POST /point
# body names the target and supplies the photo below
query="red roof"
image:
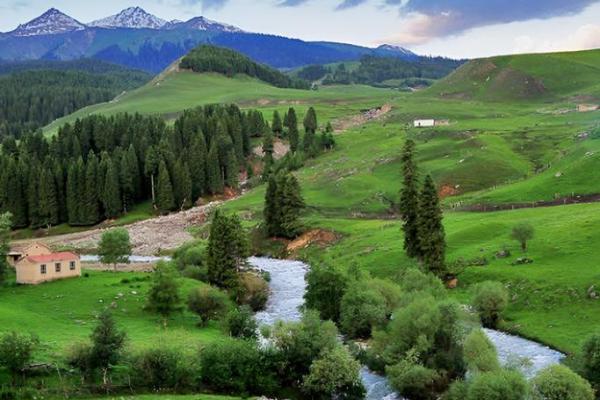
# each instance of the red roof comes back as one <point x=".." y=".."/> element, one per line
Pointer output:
<point x="52" y="257"/>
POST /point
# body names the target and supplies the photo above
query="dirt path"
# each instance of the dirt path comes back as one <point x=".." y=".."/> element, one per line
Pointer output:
<point x="344" y="124"/>
<point x="148" y="237"/>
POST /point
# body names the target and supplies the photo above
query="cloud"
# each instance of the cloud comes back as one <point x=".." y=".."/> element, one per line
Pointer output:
<point x="586" y="37"/>
<point x="206" y="4"/>
<point x="430" y="19"/>
<point x="291" y="3"/>
<point x="349" y="4"/>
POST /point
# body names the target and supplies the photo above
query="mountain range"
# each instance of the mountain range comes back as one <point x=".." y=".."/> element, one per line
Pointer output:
<point x="138" y="39"/>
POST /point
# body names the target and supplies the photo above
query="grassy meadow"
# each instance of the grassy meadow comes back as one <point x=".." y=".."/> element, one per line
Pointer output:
<point x="63" y="312"/>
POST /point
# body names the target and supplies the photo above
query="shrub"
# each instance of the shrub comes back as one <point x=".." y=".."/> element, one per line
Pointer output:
<point x="498" y="385"/>
<point x="325" y="288"/>
<point x="491" y="298"/>
<point x="300" y="343"/>
<point x="558" y="382"/>
<point x="416" y="282"/>
<point x="208" y="303"/>
<point x="238" y="367"/>
<point x="79" y="357"/>
<point x="335" y="375"/>
<point x="193" y="256"/>
<point x="361" y="309"/>
<point x="159" y="369"/>
<point x="241" y="323"/>
<point x="590" y="359"/>
<point x="522" y="233"/>
<point x="254" y="291"/>
<point x="16" y="351"/>
<point x="457" y="391"/>
<point x="195" y="272"/>
<point x="479" y="353"/>
<point x="412" y="380"/>
<point x="391" y="292"/>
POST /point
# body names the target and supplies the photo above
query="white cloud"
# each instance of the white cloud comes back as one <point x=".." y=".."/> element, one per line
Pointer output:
<point x="583" y="38"/>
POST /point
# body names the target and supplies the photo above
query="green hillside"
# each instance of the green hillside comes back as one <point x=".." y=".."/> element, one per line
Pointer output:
<point x="525" y="77"/>
<point x="175" y="90"/>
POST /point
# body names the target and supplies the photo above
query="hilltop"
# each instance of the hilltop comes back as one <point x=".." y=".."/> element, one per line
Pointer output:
<point x="550" y="76"/>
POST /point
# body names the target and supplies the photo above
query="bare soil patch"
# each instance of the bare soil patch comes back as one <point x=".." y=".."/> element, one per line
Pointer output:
<point x="280" y="149"/>
<point x="318" y="237"/>
<point x="373" y="114"/>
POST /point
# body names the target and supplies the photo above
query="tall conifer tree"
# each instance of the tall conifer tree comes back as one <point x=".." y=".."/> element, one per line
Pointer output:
<point x="165" y="200"/>
<point x="432" y="238"/>
<point x="293" y="135"/>
<point x="409" y="201"/>
<point x="215" y="176"/>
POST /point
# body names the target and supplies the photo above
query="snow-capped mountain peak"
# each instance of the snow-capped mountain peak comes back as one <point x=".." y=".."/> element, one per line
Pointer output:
<point x="396" y="49"/>
<point x="132" y="17"/>
<point x="205" y="24"/>
<point x="51" y="22"/>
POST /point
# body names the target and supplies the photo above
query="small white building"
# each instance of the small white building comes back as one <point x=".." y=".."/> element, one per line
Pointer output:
<point x="423" y="123"/>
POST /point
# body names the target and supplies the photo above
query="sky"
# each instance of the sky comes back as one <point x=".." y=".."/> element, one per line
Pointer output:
<point x="452" y="28"/>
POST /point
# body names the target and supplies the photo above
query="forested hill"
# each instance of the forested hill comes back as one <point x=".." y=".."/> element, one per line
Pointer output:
<point x="228" y="62"/>
<point x="33" y="94"/>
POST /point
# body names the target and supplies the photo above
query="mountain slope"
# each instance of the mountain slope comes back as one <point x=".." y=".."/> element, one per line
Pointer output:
<point x="137" y="39"/>
<point x="525" y="77"/>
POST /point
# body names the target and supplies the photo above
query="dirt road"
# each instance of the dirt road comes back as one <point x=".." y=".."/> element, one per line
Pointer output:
<point x="148" y="237"/>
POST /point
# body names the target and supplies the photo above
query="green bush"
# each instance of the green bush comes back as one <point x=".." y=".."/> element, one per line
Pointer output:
<point x="498" y="385"/>
<point x="334" y="375"/>
<point x="490" y="300"/>
<point x="160" y="369"/>
<point x="195" y="272"/>
<point x="458" y="391"/>
<point x="325" y="288"/>
<point x="241" y="323"/>
<point x="590" y="359"/>
<point x="79" y="357"/>
<point x="208" y="303"/>
<point x="361" y="309"/>
<point x="391" y="292"/>
<point x="479" y="353"/>
<point x="413" y="380"/>
<point x="16" y="351"/>
<point x="254" y="291"/>
<point x="238" y="367"/>
<point x="418" y="284"/>
<point x="558" y="382"/>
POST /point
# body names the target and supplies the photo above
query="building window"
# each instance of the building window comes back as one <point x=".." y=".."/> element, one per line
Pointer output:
<point x="43" y="268"/>
<point x="57" y="267"/>
<point x="72" y="265"/>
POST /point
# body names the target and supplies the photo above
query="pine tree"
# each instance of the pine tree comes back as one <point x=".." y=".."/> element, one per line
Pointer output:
<point x="47" y="199"/>
<point x="268" y="160"/>
<point x="197" y="164"/>
<point x="164" y="298"/>
<point x="277" y="126"/>
<point x="91" y="203"/>
<point x="129" y="178"/>
<point x="271" y="209"/>
<point x="72" y="193"/>
<point x="310" y="121"/>
<point x="33" y="196"/>
<point x="232" y="171"/>
<point x="165" y="200"/>
<point x="107" y="344"/>
<point x="409" y="201"/>
<point x="111" y="197"/>
<point x="227" y="250"/>
<point x="293" y="135"/>
<point x="215" y="176"/>
<point x="151" y="169"/>
<point x="292" y="204"/>
<point x="5" y="225"/>
<point x="182" y="185"/>
<point x="431" y="230"/>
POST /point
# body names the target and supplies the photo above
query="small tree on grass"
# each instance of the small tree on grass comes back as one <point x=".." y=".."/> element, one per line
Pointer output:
<point x="522" y="233"/>
<point x="164" y="296"/>
<point x="241" y="323"/>
<point x="283" y="204"/>
<point x="208" y="303"/>
<point x="409" y="201"/>
<point x="107" y="344"/>
<point x="491" y="298"/>
<point x="114" y="247"/>
<point x="227" y="250"/>
<point x="16" y="352"/>
<point x="432" y="239"/>
<point x="5" y="224"/>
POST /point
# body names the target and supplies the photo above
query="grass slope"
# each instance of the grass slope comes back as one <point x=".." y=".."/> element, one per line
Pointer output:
<point x="525" y="77"/>
<point x="63" y="312"/>
<point x="174" y="92"/>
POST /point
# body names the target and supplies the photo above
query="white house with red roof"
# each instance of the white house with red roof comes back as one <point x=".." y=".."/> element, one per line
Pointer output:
<point x="33" y="269"/>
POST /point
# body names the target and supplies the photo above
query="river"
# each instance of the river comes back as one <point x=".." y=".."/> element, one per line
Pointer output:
<point x="288" y="285"/>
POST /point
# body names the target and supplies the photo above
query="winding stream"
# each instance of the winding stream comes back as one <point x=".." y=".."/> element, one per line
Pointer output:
<point x="287" y="291"/>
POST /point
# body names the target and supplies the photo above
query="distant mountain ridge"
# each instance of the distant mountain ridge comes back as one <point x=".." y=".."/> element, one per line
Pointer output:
<point x="137" y="39"/>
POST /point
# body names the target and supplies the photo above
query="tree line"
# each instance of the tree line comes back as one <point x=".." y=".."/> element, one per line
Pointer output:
<point x="99" y="167"/>
<point x="208" y="58"/>
<point x="30" y="99"/>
